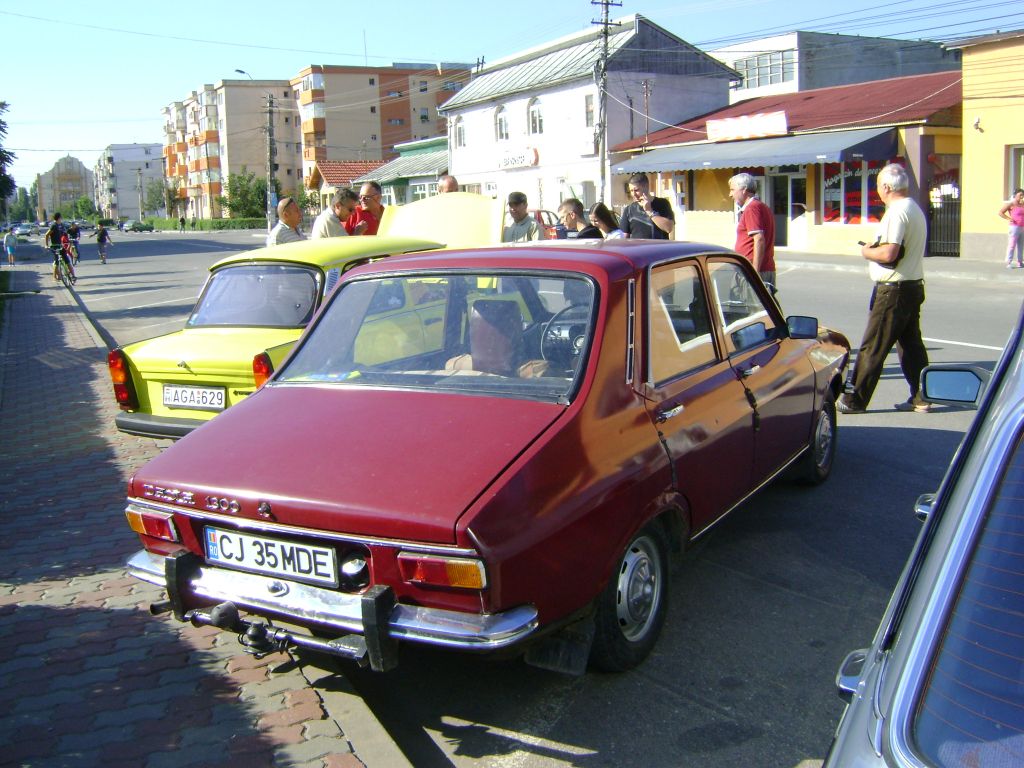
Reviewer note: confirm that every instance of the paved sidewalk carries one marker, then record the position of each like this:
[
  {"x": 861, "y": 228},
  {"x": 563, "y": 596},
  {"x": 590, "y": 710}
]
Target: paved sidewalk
[{"x": 87, "y": 676}]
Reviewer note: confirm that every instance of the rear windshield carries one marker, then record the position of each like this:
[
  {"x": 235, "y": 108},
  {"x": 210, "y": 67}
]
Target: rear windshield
[
  {"x": 522, "y": 335},
  {"x": 271, "y": 295},
  {"x": 972, "y": 708}
]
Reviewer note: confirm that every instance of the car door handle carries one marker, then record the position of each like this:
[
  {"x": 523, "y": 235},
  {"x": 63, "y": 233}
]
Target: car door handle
[
  {"x": 667, "y": 414},
  {"x": 751, "y": 371}
]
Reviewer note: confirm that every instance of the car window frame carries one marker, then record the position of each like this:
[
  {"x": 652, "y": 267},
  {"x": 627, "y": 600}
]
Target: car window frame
[
  {"x": 771, "y": 308},
  {"x": 648, "y": 345}
]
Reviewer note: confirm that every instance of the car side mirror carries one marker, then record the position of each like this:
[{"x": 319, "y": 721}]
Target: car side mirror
[
  {"x": 802, "y": 327},
  {"x": 961, "y": 385}
]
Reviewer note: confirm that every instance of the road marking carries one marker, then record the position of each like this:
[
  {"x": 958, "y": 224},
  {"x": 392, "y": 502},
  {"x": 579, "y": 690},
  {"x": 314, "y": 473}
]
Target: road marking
[
  {"x": 121, "y": 295},
  {"x": 965, "y": 344},
  {"x": 158, "y": 303}
]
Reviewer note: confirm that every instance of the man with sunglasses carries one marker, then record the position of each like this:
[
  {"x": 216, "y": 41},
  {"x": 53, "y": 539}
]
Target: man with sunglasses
[
  {"x": 366, "y": 218},
  {"x": 330, "y": 221}
]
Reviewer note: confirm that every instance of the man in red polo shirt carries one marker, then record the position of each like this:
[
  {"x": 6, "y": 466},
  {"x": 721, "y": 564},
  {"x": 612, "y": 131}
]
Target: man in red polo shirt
[
  {"x": 366, "y": 218},
  {"x": 755, "y": 229}
]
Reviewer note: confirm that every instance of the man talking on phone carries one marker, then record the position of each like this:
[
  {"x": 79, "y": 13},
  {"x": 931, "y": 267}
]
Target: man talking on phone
[
  {"x": 647, "y": 216},
  {"x": 896, "y": 265}
]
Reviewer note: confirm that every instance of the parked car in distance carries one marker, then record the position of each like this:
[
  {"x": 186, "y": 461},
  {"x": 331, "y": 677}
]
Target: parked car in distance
[
  {"x": 551, "y": 227},
  {"x": 26, "y": 230},
  {"x": 494, "y": 448},
  {"x": 137, "y": 226},
  {"x": 941, "y": 683}
]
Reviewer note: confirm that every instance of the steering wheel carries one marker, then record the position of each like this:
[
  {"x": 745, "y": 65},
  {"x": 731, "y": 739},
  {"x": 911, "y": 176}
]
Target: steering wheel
[{"x": 565, "y": 335}]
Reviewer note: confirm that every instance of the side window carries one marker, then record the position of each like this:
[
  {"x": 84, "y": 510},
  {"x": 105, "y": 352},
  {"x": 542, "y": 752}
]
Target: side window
[
  {"x": 389, "y": 296},
  {"x": 744, "y": 317},
  {"x": 679, "y": 324}
]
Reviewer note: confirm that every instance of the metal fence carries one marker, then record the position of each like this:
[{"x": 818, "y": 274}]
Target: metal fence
[{"x": 944, "y": 226}]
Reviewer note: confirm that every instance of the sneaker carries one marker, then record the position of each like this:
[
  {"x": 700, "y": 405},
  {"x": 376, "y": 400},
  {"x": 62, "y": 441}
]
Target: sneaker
[
  {"x": 914, "y": 407},
  {"x": 843, "y": 406}
]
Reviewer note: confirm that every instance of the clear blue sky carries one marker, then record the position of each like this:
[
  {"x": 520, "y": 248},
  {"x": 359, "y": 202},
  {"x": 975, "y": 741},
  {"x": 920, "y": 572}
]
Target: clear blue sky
[{"x": 78, "y": 75}]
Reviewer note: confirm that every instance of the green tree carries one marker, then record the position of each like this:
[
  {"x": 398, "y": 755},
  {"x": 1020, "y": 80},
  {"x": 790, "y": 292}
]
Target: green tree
[
  {"x": 7, "y": 185},
  {"x": 308, "y": 203},
  {"x": 246, "y": 195},
  {"x": 22, "y": 209},
  {"x": 84, "y": 208},
  {"x": 156, "y": 195}
]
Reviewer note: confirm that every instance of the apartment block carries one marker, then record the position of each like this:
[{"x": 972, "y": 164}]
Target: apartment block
[
  {"x": 122, "y": 174},
  {"x": 361, "y": 113},
  {"x": 221, "y": 130},
  {"x": 62, "y": 185}
]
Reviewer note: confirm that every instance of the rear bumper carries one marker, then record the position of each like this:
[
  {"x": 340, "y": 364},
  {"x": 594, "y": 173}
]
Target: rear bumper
[
  {"x": 306, "y": 604},
  {"x": 147, "y": 425}
]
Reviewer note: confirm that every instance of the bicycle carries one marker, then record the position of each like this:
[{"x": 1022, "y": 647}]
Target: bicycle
[
  {"x": 73, "y": 247},
  {"x": 62, "y": 268}
]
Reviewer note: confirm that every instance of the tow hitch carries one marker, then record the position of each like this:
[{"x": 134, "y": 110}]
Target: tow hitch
[{"x": 375, "y": 647}]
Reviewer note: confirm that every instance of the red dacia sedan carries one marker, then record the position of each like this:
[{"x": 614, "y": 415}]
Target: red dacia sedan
[{"x": 491, "y": 449}]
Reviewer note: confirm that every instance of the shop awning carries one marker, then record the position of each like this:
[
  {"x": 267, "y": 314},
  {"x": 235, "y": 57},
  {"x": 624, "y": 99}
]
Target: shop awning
[
  {"x": 409, "y": 167},
  {"x": 860, "y": 144}
]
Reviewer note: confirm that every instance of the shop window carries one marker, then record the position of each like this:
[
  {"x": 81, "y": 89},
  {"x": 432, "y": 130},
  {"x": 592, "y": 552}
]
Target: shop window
[{"x": 850, "y": 193}]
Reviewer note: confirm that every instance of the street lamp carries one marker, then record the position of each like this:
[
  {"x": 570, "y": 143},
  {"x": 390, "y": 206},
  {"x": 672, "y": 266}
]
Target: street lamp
[{"x": 271, "y": 201}]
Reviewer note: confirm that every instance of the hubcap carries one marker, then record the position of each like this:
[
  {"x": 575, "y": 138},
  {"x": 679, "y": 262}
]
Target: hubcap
[
  {"x": 638, "y": 590},
  {"x": 823, "y": 440}
]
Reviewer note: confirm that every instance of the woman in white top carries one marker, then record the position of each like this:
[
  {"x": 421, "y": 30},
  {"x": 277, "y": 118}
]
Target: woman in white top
[{"x": 606, "y": 221}]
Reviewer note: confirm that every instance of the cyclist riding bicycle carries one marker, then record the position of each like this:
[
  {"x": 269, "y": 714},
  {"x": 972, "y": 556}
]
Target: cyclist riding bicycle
[
  {"x": 58, "y": 242},
  {"x": 74, "y": 234}
]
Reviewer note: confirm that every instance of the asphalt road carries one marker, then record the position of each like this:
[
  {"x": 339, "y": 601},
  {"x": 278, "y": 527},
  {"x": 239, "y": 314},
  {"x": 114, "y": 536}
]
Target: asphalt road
[{"x": 761, "y": 612}]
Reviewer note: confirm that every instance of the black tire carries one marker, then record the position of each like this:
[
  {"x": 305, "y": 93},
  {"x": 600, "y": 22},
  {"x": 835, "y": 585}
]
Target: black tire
[
  {"x": 62, "y": 270},
  {"x": 631, "y": 609},
  {"x": 816, "y": 464}
]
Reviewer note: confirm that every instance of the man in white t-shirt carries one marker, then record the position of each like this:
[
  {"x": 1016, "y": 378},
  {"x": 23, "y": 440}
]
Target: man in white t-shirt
[
  {"x": 896, "y": 265},
  {"x": 329, "y": 222}
]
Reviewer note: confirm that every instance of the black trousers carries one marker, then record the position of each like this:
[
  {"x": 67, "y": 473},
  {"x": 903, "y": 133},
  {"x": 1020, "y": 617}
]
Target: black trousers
[{"x": 895, "y": 318}]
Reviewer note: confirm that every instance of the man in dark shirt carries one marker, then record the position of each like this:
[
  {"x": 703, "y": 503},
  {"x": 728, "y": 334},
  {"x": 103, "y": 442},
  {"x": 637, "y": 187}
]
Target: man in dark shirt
[
  {"x": 570, "y": 213},
  {"x": 647, "y": 216}
]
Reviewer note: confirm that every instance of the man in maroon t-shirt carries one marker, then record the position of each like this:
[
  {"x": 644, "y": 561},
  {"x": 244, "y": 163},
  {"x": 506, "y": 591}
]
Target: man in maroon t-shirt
[
  {"x": 755, "y": 229},
  {"x": 366, "y": 218}
]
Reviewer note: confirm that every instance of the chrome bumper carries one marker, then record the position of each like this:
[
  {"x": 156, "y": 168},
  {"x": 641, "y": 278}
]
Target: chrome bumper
[{"x": 341, "y": 611}]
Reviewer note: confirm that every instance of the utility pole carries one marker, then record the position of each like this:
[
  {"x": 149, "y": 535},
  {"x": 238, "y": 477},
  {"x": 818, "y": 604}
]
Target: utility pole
[
  {"x": 601, "y": 78},
  {"x": 647, "y": 110},
  {"x": 138, "y": 187},
  {"x": 271, "y": 151}
]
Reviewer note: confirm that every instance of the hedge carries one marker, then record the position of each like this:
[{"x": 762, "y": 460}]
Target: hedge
[{"x": 210, "y": 224}]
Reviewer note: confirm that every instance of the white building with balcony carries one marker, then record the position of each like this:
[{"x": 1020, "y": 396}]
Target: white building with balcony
[
  {"x": 122, "y": 174},
  {"x": 531, "y": 122}
]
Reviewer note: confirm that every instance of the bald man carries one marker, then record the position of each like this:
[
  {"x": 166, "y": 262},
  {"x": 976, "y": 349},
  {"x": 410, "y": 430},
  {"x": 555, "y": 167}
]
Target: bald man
[
  {"x": 447, "y": 184},
  {"x": 287, "y": 228}
]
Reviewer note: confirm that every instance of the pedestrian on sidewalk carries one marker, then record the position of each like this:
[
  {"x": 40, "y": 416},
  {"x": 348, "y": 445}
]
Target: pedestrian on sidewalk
[
  {"x": 181, "y": 224},
  {"x": 896, "y": 265},
  {"x": 755, "y": 228},
  {"x": 10, "y": 244},
  {"x": 1013, "y": 212}
]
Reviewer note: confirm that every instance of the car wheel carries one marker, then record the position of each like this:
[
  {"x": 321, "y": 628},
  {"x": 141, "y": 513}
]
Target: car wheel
[
  {"x": 821, "y": 451},
  {"x": 631, "y": 610}
]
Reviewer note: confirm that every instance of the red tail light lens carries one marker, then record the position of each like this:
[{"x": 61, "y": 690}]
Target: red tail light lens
[
  {"x": 151, "y": 523},
  {"x": 261, "y": 369},
  {"x": 121, "y": 376},
  {"x": 442, "y": 571}
]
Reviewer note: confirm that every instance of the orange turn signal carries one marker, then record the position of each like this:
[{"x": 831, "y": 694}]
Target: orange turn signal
[
  {"x": 160, "y": 525},
  {"x": 442, "y": 571}
]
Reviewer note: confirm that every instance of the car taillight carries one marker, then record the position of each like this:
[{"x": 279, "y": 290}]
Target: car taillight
[
  {"x": 261, "y": 369},
  {"x": 149, "y": 522},
  {"x": 121, "y": 376},
  {"x": 442, "y": 571}
]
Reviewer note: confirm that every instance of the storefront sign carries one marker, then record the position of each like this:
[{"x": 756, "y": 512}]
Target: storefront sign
[
  {"x": 520, "y": 158},
  {"x": 747, "y": 127}
]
